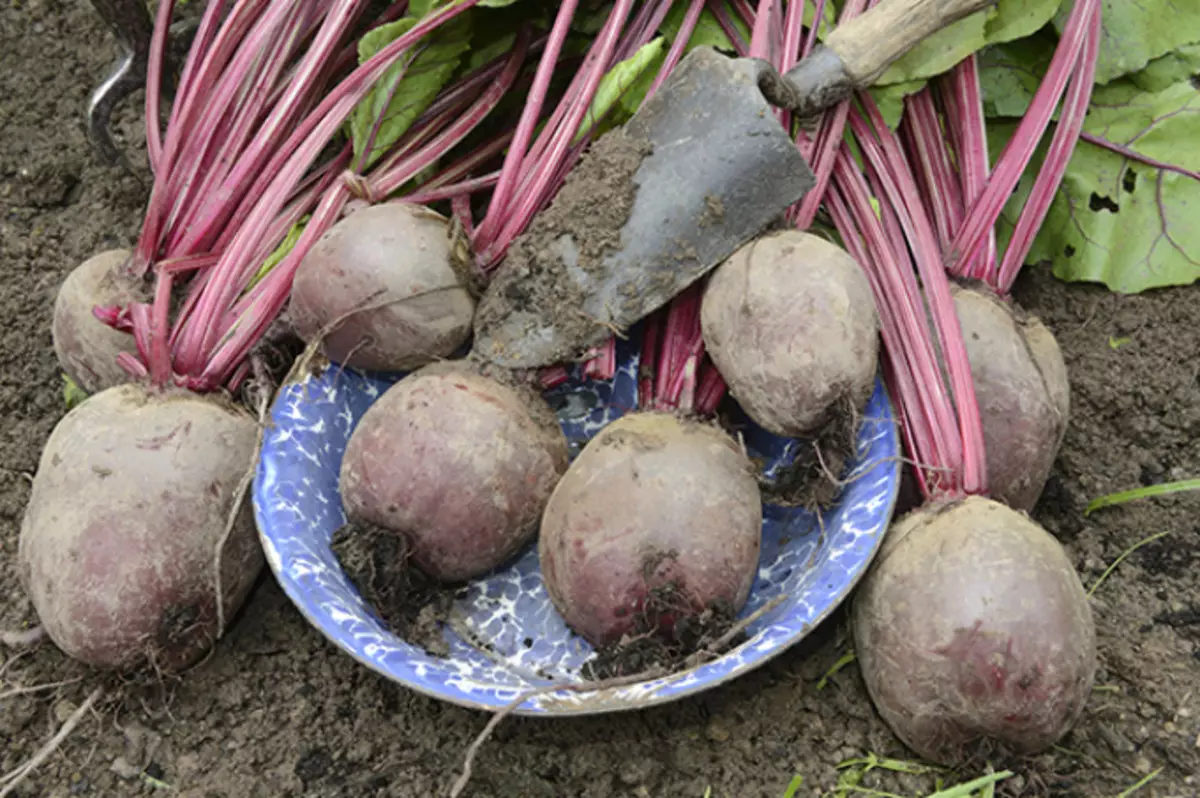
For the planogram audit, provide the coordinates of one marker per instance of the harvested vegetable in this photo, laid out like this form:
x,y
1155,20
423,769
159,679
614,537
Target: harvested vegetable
x,y
955,654
656,527
246,181
381,290
136,499
1020,382
86,348
790,322
460,464
973,631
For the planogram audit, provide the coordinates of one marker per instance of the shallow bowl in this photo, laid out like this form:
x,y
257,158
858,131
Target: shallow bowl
x,y
515,638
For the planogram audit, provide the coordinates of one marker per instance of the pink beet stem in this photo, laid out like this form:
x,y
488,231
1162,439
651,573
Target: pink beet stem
x,y
926,145
1062,146
283,116
983,213
529,115
301,148
595,66
154,69
399,174
968,122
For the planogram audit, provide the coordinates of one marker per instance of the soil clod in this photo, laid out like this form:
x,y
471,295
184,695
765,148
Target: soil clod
x,y
415,607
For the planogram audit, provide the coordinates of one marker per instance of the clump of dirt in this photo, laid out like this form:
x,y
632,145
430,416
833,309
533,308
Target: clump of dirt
x,y
659,645
415,607
668,634
813,480
568,241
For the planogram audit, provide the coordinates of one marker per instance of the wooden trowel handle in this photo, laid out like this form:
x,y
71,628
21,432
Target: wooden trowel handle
x,y
869,43
858,52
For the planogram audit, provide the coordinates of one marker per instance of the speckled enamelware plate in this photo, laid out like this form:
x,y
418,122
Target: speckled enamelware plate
x,y
298,509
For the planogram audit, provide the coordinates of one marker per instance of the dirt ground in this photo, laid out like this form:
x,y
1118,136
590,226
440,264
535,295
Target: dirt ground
x,y
276,711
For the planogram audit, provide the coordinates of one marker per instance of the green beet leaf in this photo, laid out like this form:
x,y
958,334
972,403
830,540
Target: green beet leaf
x,y
619,81
407,89
1117,221
73,395
1006,21
1161,73
1135,33
1010,73
280,252
890,99
707,33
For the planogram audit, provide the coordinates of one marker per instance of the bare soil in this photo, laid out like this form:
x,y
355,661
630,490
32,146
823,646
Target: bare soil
x,y
277,711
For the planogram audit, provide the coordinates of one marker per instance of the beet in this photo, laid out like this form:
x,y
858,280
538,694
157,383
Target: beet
x,y
973,632
1022,391
790,323
460,464
118,546
658,521
385,276
86,348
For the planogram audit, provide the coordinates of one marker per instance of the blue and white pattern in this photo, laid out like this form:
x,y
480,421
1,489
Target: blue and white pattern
x,y
515,639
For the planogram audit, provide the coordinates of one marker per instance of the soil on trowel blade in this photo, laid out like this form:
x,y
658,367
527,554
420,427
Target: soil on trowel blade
x,y
588,212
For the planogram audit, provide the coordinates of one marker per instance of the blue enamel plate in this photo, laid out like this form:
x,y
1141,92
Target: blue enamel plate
x,y
814,562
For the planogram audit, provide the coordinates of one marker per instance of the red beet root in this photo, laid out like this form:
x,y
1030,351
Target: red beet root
x,y
658,519
973,631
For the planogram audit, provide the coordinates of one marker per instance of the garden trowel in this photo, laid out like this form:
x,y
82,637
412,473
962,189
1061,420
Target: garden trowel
x,y
720,170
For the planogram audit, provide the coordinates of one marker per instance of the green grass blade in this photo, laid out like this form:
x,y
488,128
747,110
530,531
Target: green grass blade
x,y
1124,554
965,789
1113,499
842,662
1148,778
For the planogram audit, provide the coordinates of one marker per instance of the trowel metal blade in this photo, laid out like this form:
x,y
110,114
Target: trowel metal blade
x,y
721,170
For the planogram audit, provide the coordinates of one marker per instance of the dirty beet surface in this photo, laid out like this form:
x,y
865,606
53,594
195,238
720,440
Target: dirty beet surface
x,y
277,711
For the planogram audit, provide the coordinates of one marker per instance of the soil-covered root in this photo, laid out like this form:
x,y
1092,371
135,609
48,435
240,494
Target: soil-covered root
x,y
383,287
413,606
973,633
1021,387
790,323
86,348
655,530
132,500
459,463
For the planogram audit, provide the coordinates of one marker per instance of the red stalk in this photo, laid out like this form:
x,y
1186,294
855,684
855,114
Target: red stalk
x,y
529,116
154,69
925,145
201,45
230,149
199,339
283,115
983,213
163,196
901,192
969,126
690,19
1062,146
528,204
399,174
721,13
